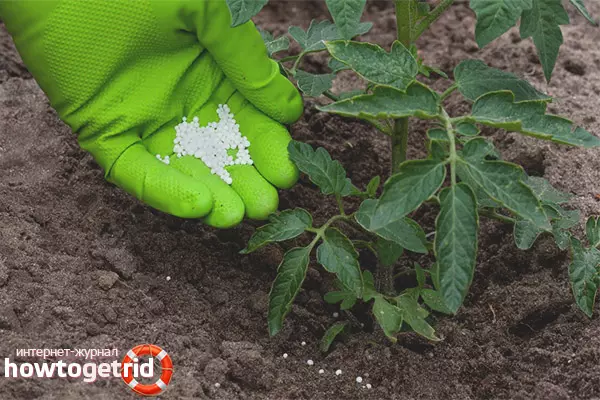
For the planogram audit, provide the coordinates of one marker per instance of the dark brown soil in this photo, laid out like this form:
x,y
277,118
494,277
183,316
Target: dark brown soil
x,y
83,265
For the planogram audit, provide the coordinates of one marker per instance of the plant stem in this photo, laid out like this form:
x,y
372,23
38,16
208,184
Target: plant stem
x,y
451,137
499,217
340,203
448,92
399,143
431,18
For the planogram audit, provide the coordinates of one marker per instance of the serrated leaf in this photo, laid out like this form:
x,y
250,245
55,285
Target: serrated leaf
x,y
387,102
318,32
529,118
330,335
242,10
414,183
525,234
337,255
388,316
438,149
592,230
346,15
314,85
495,17
503,182
290,275
475,79
580,6
455,243
388,252
282,226
274,45
542,23
397,69
562,238
373,186
414,315
546,192
327,174
583,273
346,297
313,39
433,300
467,129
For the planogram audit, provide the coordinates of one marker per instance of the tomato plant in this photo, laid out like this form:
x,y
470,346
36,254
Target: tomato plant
x,y
463,173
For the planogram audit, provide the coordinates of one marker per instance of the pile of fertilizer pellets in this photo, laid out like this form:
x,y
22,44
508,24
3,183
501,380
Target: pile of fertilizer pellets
x,y
219,144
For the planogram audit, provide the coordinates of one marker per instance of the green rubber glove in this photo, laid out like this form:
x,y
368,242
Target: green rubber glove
x,y
123,73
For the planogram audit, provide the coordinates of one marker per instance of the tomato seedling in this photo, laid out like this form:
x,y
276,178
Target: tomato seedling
x,y
463,173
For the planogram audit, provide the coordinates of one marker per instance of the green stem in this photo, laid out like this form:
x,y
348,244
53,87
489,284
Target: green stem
x,y
448,92
431,18
405,10
451,137
499,217
399,143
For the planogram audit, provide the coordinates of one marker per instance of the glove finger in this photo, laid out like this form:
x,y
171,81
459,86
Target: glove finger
x,y
242,55
259,196
141,174
228,208
268,143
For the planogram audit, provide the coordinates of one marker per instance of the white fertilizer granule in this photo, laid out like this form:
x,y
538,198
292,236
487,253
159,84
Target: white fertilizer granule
x,y
219,144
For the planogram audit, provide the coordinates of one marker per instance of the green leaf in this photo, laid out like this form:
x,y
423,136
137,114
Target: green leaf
x,y
580,6
592,230
525,234
274,45
373,186
337,255
369,292
529,118
495,17
387,102
313,39
478,149
388,252
330,335
562,238
282,226
546,192
314,85
503,182
337,66
584,276
456,243
327,174
467,129
242,10
433,299
542,23
346,15
475,78
290,275
388,316
437,134
346,297
414,315
397,69
414,183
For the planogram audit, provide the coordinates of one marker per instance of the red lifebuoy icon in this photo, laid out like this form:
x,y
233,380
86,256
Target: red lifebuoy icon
x,y
165,362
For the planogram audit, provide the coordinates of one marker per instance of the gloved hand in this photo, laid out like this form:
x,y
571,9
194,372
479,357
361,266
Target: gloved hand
x,y
123,73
